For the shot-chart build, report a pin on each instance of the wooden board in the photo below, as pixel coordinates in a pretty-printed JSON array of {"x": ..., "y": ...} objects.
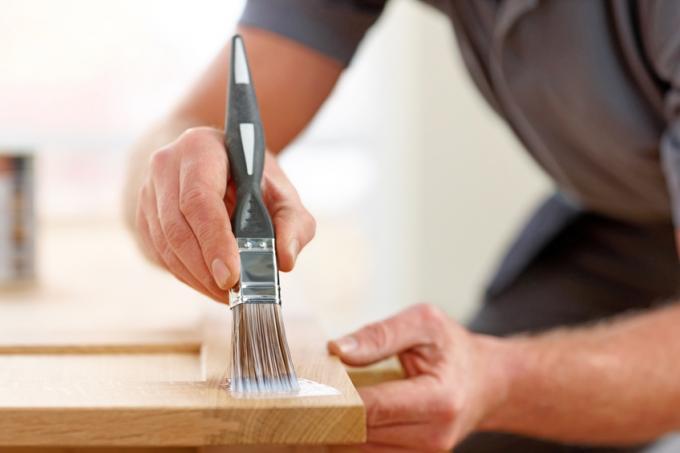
[{"x": 142, "y": 362}]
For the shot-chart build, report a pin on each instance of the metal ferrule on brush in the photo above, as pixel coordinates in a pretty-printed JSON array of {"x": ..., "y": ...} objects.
[{"x": 259, "y": 280}]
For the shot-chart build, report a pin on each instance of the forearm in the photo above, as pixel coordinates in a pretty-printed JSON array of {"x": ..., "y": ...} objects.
[
  {"x": 616, "y": 382},
  {"x": 292, "y": 82}
]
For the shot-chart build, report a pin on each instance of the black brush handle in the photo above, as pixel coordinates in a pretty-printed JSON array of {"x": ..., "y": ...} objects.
[{"x": 244, "y": 140}]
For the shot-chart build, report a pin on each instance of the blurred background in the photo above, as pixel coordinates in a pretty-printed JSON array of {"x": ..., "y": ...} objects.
[{"x": 415, "y": 184}]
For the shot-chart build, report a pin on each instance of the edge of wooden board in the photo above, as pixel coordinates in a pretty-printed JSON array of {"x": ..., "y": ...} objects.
[
  {"x": 100, "y": 412},
  {"x": 177, "y": 427}
]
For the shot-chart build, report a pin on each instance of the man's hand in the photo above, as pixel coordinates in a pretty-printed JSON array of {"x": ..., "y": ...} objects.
[
  {"x": 451, "y": 383},
  {"x": 183, "y": 207}
]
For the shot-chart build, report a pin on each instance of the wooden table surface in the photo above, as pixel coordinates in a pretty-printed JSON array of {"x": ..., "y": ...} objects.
[{"x": 105, "y": 351}]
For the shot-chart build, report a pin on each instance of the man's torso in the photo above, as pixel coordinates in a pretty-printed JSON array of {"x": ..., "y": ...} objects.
[{"x": 572, "y": 81}]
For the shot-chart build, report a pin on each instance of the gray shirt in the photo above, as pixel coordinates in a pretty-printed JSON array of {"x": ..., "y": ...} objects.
[{"x": 591, "y": 88}]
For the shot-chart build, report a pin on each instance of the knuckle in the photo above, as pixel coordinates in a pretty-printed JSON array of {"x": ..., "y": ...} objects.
[
  {"x": 159, "y": 161},
  {"x": 447, "y": 408},
  {"x": 162, "y": 253},
  {"x": 193, "y": 133},
  {"x": 204, "y": 231},
  {"x": 374, "y": 414},
  {"x": 175, "y": 232},
  {"x": 168, "y": 257},
  {"x": 193, "y": 200},
  {"x": 375, "y": 409},
  {"x": 430, "y": 314},
  {"x": 195, "y": 137},
  {"x": 376, "y": 335},
  {"x": 448, "y": 413}
]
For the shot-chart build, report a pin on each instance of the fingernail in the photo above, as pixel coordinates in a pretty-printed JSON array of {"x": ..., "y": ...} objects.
[
  {"x": 294, "y": 248},
  {"x": 220, "y": 273},
  {"x": 346, "y": 344}
]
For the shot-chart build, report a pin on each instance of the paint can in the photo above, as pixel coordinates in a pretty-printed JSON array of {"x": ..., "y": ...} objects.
[{"x": 17, "y": 218}]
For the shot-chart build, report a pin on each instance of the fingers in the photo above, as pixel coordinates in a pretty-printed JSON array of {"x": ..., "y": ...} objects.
[
  {"x": 415, "y": 413},
  {"x": 295, "y": 227},
  {"x": 145, "y": 241},
  {"x": 422, "y": 412},
  {"x": 411, "y": 437},
  {"x": 398, "y": 402},
  {"x": 163, "y": 251},
  {"x": 202, "y": 188},
  {"x": 415, "y": 326},
  {"x": 176, "y": 230},
  {"x": 294, "y": 230}
]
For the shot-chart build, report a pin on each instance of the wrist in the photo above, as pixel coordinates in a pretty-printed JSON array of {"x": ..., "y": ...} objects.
[{"x": 505, "y": 366}]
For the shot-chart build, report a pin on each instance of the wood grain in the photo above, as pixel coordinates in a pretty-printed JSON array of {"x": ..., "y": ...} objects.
[
  {"x": 223, "y": 449},
  {"x": 100, "y": 450},
  {"x": 106, "y": 364}
]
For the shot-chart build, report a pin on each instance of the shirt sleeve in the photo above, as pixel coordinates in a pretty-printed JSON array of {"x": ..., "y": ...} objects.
[
  {"x": 332, "y": 27},
  {"x": 661, "y": 39}
]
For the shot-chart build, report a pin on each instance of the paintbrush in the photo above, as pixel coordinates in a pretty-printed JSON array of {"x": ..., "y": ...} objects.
[{"x": 261, "y": 361}]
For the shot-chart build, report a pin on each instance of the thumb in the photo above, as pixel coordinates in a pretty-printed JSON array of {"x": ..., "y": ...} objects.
[{"x": 383, "y": 339}]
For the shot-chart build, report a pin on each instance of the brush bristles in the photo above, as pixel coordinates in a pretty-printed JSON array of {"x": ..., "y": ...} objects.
[{"x": 261, "y": 361}]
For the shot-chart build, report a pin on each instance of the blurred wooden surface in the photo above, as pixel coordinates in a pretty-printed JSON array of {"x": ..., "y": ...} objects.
[
  {"x": 387, "y": 370},
  {"x": 105, "y": 351}
]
